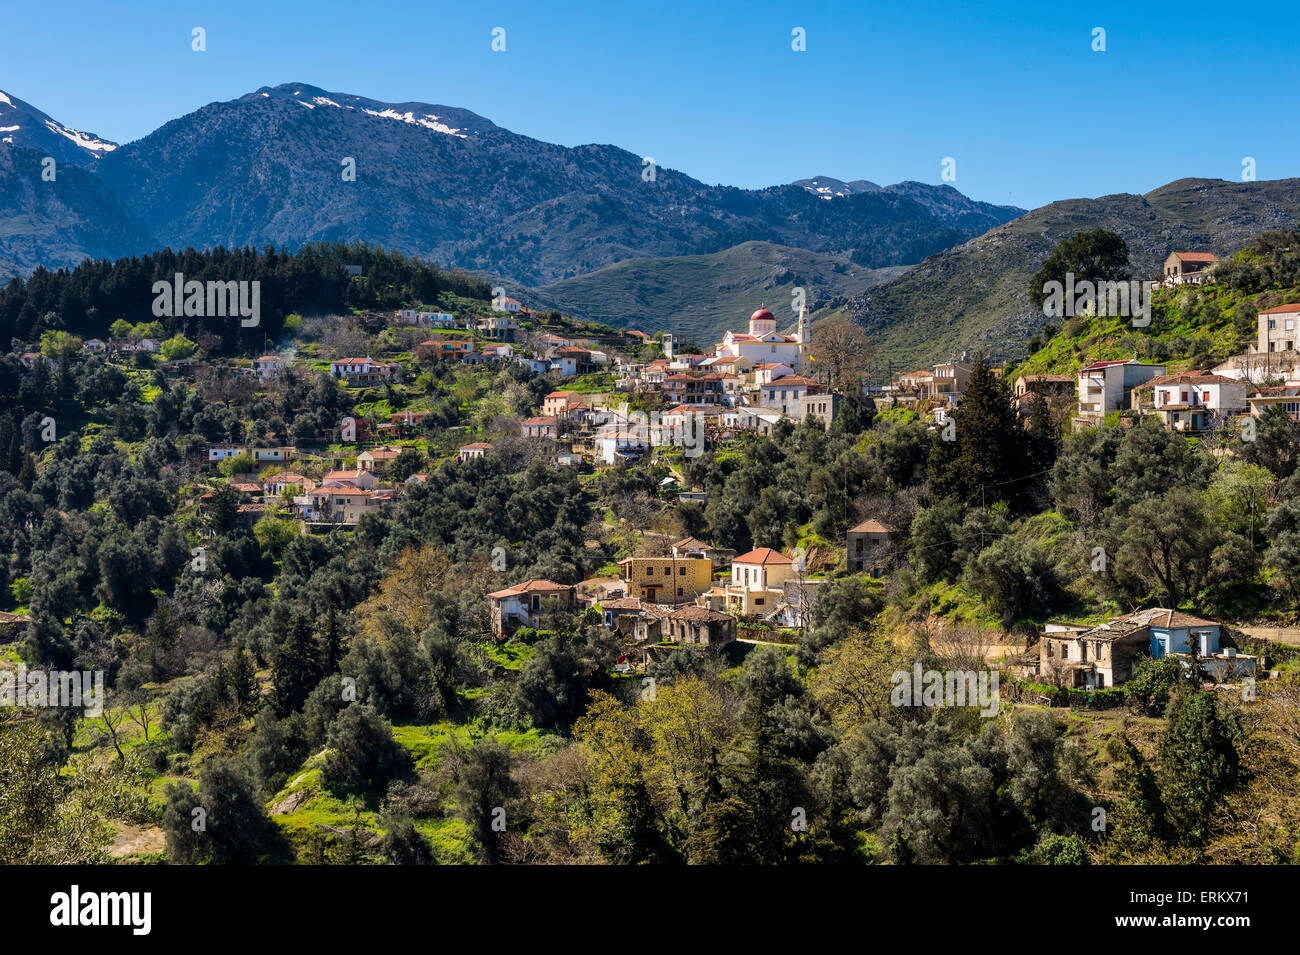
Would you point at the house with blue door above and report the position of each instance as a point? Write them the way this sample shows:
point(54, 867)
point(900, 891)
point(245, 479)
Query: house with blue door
point(1105, 655)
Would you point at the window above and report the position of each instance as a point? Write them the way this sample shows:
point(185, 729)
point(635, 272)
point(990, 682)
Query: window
point(758, 602)
point(682, 572)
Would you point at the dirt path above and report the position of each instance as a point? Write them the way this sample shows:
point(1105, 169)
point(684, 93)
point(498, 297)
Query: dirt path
point(137, 840)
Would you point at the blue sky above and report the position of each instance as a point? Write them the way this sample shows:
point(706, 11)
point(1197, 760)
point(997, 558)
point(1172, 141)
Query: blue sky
point(1012, 91)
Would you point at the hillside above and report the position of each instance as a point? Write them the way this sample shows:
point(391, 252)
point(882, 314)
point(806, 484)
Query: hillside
point(1192, 328)
point(975, 296)
point(698, 297)
point(59, 223)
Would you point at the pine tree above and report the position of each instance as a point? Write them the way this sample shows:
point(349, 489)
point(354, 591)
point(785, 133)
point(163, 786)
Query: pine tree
point(986, 459)
point(297, 668)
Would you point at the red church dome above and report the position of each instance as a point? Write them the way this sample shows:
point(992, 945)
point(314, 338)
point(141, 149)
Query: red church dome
point(762, 315)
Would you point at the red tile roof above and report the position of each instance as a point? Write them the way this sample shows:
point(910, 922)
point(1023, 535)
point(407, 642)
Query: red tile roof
point(763, 555)
point(871, 527)
point(1191, 378)
point(534, 586)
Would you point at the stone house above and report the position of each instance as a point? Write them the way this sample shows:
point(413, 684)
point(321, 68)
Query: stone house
point(868, 547)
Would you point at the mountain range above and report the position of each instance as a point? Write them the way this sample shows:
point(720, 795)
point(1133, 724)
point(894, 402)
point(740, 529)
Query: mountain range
point(448, 185)
point(592, 230)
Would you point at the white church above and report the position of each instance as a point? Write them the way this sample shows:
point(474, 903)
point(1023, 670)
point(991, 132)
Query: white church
point(763, 345)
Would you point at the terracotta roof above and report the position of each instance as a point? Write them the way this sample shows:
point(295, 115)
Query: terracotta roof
point(1197, 256)
point(539, 421)
point(871, 527)
point(476, 445)
point(692, 542)
point(763, 555)
point(791, 380)
point(533, 586)
point(1163, 617)
point(1191, 378)
point(1154, 617)
point(1278, 309)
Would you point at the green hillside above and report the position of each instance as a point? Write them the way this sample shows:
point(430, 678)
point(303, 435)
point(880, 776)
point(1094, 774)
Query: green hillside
point(975, 296)
point(1192, 328)
point(699, 297)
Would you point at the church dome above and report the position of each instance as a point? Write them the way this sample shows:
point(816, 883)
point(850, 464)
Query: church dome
point(762, 315)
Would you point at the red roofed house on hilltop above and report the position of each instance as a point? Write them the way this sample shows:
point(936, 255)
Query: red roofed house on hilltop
point(1187, 268)
point(377, 459)
point(475, 450)
point(268, 366)
point(543, 426)
point(1279, 329)
point(363, 370)
point(1107, 386)
point(524, 604)
point(757, 584)
point(557, 403)
point(1192, 401)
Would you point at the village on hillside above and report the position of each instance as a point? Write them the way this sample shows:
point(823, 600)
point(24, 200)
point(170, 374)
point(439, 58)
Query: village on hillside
point(528, 516)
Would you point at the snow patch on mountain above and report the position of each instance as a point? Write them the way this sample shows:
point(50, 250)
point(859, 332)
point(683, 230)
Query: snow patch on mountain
point(428, 121)
point(96, 146)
